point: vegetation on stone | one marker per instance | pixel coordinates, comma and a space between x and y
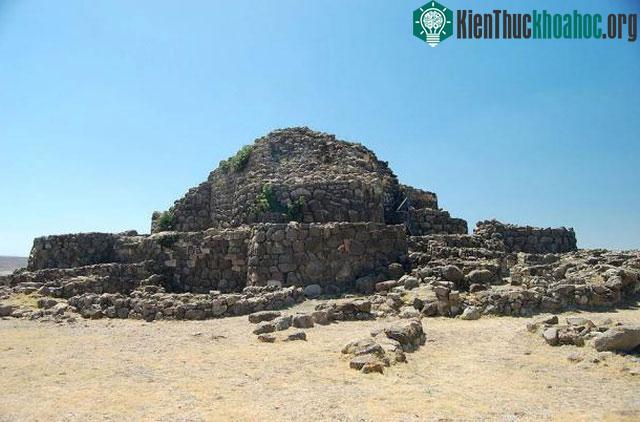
239, 161
166, 221
266, 201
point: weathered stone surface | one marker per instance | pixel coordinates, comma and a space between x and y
321, 317
267, 338
542, 322
384, 286
409, 282
550, 335
46, 302
364, 346
312, 291
264, 327
409, 334
452, 273
386, 346
372, 363
6, 310
298, 335
471, 313
480, 276
366, 285
623, 338
347, 309
283, 322
263, 316
302, 321
528, 239
395, 270
372, 366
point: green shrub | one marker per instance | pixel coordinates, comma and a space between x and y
165, 221
295, 209
239, 161
266, 201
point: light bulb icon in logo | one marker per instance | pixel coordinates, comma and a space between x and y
432, 21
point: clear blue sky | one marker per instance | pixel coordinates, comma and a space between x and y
112, 109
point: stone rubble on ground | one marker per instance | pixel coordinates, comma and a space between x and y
386, 346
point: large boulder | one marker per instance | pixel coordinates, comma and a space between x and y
623, 338
366, 346
302, 321
409, 334
283, 322
312, 291
257, 317
452, 273
471, 313
6, 310
409, 282
384, 286
264, 327
480, 276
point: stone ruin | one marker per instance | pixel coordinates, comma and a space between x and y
300, 214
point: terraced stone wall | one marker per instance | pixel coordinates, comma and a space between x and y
325, 254
528, 239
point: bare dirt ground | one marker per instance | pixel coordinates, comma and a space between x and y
490, 369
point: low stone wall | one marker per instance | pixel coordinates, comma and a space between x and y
528, 239
62, 282
184, 306
72, 250
428, 221
228, 260
325, 254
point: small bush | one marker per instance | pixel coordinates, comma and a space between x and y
266, 201
239, 161
165, 221
295, 209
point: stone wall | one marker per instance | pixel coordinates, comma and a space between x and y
426, 221
340, 181
228, 260
159, 305
199, 262
98, 278
72, 250
528, 239
419, 198
325, 254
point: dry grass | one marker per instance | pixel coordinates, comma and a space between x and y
491, 369
22, 300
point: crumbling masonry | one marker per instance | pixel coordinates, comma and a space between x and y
294, 209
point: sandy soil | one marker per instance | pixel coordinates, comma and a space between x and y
490, 369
